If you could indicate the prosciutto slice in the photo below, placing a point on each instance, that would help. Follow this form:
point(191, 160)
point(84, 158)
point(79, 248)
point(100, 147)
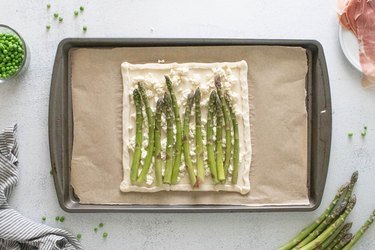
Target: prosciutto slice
point(359, 17)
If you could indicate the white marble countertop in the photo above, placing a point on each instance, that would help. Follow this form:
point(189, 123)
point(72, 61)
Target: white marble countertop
point(25, 101)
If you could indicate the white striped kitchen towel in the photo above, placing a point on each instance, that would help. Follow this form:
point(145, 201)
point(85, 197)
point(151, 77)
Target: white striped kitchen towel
point(16, 231)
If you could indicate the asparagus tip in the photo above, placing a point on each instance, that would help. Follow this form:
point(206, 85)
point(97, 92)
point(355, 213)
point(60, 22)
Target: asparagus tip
point(218, 81)
point(354, 177)
point(197, 93)
point(348, 225)
point(347, 237)
point(160, 103)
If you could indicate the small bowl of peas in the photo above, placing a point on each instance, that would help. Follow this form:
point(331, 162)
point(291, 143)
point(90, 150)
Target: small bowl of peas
point(14, 54)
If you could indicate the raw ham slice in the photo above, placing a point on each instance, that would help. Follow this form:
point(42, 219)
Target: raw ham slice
point(359, 17)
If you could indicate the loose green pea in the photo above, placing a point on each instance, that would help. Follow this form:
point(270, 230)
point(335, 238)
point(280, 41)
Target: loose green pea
point(84, 28)
point(62, 219)
point(57, 218)
point(48, 27)
point(79, 236)
point(76, 12)
point(56, 15)
point(48, 5)
point(81, 8)
point(105, 235)
point(61, 19)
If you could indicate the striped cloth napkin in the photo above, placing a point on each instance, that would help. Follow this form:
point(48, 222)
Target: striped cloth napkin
point(16, 231)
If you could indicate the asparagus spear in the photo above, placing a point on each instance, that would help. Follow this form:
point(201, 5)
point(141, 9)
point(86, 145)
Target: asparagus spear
point(331, 238)
point(138, 136)
point(353, 181)
point(341, 234)
point(327, 221)
point(178, 144)
point(157, 149)
point(150, 147)
point(169, 149)
point(306, 231)
point(344, 241)
point(330, 230)
point(185, 140)
point(219, 135)
point(358, 235)
point(227, 122)
point(209, 137)
point(236, 148)
point(198, 137)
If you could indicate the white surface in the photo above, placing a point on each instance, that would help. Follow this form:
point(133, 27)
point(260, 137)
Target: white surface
point(26, 101)
point(350, 46)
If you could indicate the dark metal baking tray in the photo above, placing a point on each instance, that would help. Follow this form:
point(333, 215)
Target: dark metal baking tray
point(61, 123)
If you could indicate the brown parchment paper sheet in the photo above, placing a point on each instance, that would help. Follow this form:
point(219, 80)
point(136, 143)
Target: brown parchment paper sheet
point(278, 120)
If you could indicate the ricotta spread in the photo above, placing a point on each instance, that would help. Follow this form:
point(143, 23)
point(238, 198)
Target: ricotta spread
point(186, 77)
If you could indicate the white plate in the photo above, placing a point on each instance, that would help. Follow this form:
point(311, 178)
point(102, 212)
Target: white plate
point(350, 46)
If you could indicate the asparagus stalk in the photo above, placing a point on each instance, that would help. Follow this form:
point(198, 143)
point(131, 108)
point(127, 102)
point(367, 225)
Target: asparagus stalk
point(198, 137)
point(353, 181)
point(358, 235)
point(306, 231)
point(341, 234)
point(157, 150)
point(236, 147)
point(326, 222)
point(227, 122)
point(344, 241)
point(331, 238)
point(209, 137)
point(219, 135)
point(138, 136)
point(150, 147)
point(330, 230)
point(185, 140)
point(169, 149)
point(178, 144)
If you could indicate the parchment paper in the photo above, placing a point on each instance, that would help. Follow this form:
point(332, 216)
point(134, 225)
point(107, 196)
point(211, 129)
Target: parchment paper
point(278, 124)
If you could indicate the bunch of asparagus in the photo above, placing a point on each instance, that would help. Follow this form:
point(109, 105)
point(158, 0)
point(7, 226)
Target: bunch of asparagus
point(220, 108)
point(330, 231)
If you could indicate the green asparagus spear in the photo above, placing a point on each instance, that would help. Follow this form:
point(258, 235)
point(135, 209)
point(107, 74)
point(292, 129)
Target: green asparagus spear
point(306, 231)
point(327, 221)
point(219, 137)
point(198, 138)
point(353, 181)
point(138, 136)
point(209, 138)
point(157, 149)
point(316, 243)
point(169, 149)
point(331, 238)
point(227, 122)
point(341, 234)
point(236, 148)
point(178, 144)
point(358, 235)
point(343, 242)
point(150, 147)
point(185, 140)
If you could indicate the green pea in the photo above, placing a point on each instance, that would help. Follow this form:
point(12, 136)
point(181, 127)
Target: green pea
point(56, 15)
point(76, 12)
point(81, 8)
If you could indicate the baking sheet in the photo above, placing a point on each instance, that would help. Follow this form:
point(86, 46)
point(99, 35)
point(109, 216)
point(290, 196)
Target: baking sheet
point(278, 114)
